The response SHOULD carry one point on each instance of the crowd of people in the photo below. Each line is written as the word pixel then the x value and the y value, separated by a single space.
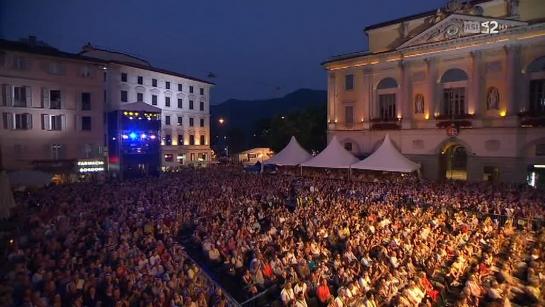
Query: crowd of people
pixel 305 241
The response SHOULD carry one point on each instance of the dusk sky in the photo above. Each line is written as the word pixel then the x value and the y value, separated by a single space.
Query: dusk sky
pixel 257 49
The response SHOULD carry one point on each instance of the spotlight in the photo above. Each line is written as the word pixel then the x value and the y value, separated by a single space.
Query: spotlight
pixel 124 136
pixel 132 135
pixel 143 136
pixel 152 137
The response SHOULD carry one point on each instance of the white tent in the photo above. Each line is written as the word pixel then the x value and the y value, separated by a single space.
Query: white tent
pixel 6 197
pixel 387 158
pixel 333 156
pixel 292 154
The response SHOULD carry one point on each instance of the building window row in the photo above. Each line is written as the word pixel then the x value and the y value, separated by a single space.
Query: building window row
pixel 124 96
pixel 155 83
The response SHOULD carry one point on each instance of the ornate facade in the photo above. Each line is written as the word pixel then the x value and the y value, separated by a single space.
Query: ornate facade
pixel 461 90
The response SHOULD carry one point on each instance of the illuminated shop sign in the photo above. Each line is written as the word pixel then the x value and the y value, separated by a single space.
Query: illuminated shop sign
pixel 90 166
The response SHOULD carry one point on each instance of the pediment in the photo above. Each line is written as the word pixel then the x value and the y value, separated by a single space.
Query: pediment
pixel 460 25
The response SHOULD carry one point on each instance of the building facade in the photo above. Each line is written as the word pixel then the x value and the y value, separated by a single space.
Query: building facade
pixel 460 90
pixel 51 109
pixel 184 102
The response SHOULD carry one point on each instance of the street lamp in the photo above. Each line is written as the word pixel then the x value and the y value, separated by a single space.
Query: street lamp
pixel 221 121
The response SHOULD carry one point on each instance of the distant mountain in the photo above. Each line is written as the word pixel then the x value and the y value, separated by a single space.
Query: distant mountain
pixel 242 116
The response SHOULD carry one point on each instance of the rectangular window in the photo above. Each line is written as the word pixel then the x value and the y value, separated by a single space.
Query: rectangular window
pixel 537 96
pixel 180 87
pixel 191 104
pixel 23 121
pixel 191 89
pixel 454 101
pixel 167 101
pixel 154 82
pixel 201 90
pixel 201 106
pixel 180 139
pixel 191 140
pixel 85 101
pixel 202 140
pixel 124 97
pixel 180 121
pixel 191 122
pixel 20 96
pixel 168 139
pixel 180 103
pixel 55 122
pixel 7 120
pixel 387 106
pixel 139 96
pixel 349 115
pixel 57 151
pixel 167 85
pixel 154 100
pixel 140 80
pixel 86 123
pixel 349 82
pixel 167 120
pixel 202 122
pixel 123 77
pixel 169 157
pixel 54 99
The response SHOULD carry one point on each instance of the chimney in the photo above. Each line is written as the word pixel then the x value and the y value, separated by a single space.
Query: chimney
pixel 88 47
pixel 32 40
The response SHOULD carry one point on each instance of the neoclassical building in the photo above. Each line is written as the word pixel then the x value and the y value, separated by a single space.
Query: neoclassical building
pixel 460 90
pixel 184 102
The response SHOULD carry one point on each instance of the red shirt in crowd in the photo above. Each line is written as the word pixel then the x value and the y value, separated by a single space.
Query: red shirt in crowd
pixel 323 293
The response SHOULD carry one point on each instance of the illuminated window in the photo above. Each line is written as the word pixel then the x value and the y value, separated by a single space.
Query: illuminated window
pixel 85 101
pixel 169 157
pixel 124 96
pixel 180 139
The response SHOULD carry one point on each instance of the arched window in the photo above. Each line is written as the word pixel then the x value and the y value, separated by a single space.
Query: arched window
pixel 454 92
pixel 386 90
pixel 386 83
pixel 536 71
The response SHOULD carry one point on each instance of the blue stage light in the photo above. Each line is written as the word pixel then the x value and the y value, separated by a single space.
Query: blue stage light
pixel 132 135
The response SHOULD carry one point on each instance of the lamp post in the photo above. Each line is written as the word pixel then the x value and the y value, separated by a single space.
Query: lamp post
pixel 221 122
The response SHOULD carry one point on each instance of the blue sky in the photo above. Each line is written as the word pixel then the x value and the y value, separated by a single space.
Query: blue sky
pixel 257 49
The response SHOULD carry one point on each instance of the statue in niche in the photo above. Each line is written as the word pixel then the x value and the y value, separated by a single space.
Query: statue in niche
pixel 419 104
pixel 493 99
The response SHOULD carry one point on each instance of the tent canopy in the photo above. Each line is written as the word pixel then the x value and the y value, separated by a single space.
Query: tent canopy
pixel 387 158
pixel 292 154
pixel 333 156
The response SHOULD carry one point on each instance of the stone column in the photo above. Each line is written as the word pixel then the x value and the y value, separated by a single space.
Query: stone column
pixel 331 98
pixel 405 101
pixel 475 102
pixel 366 95
pixel 432 103
pixel 512 76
